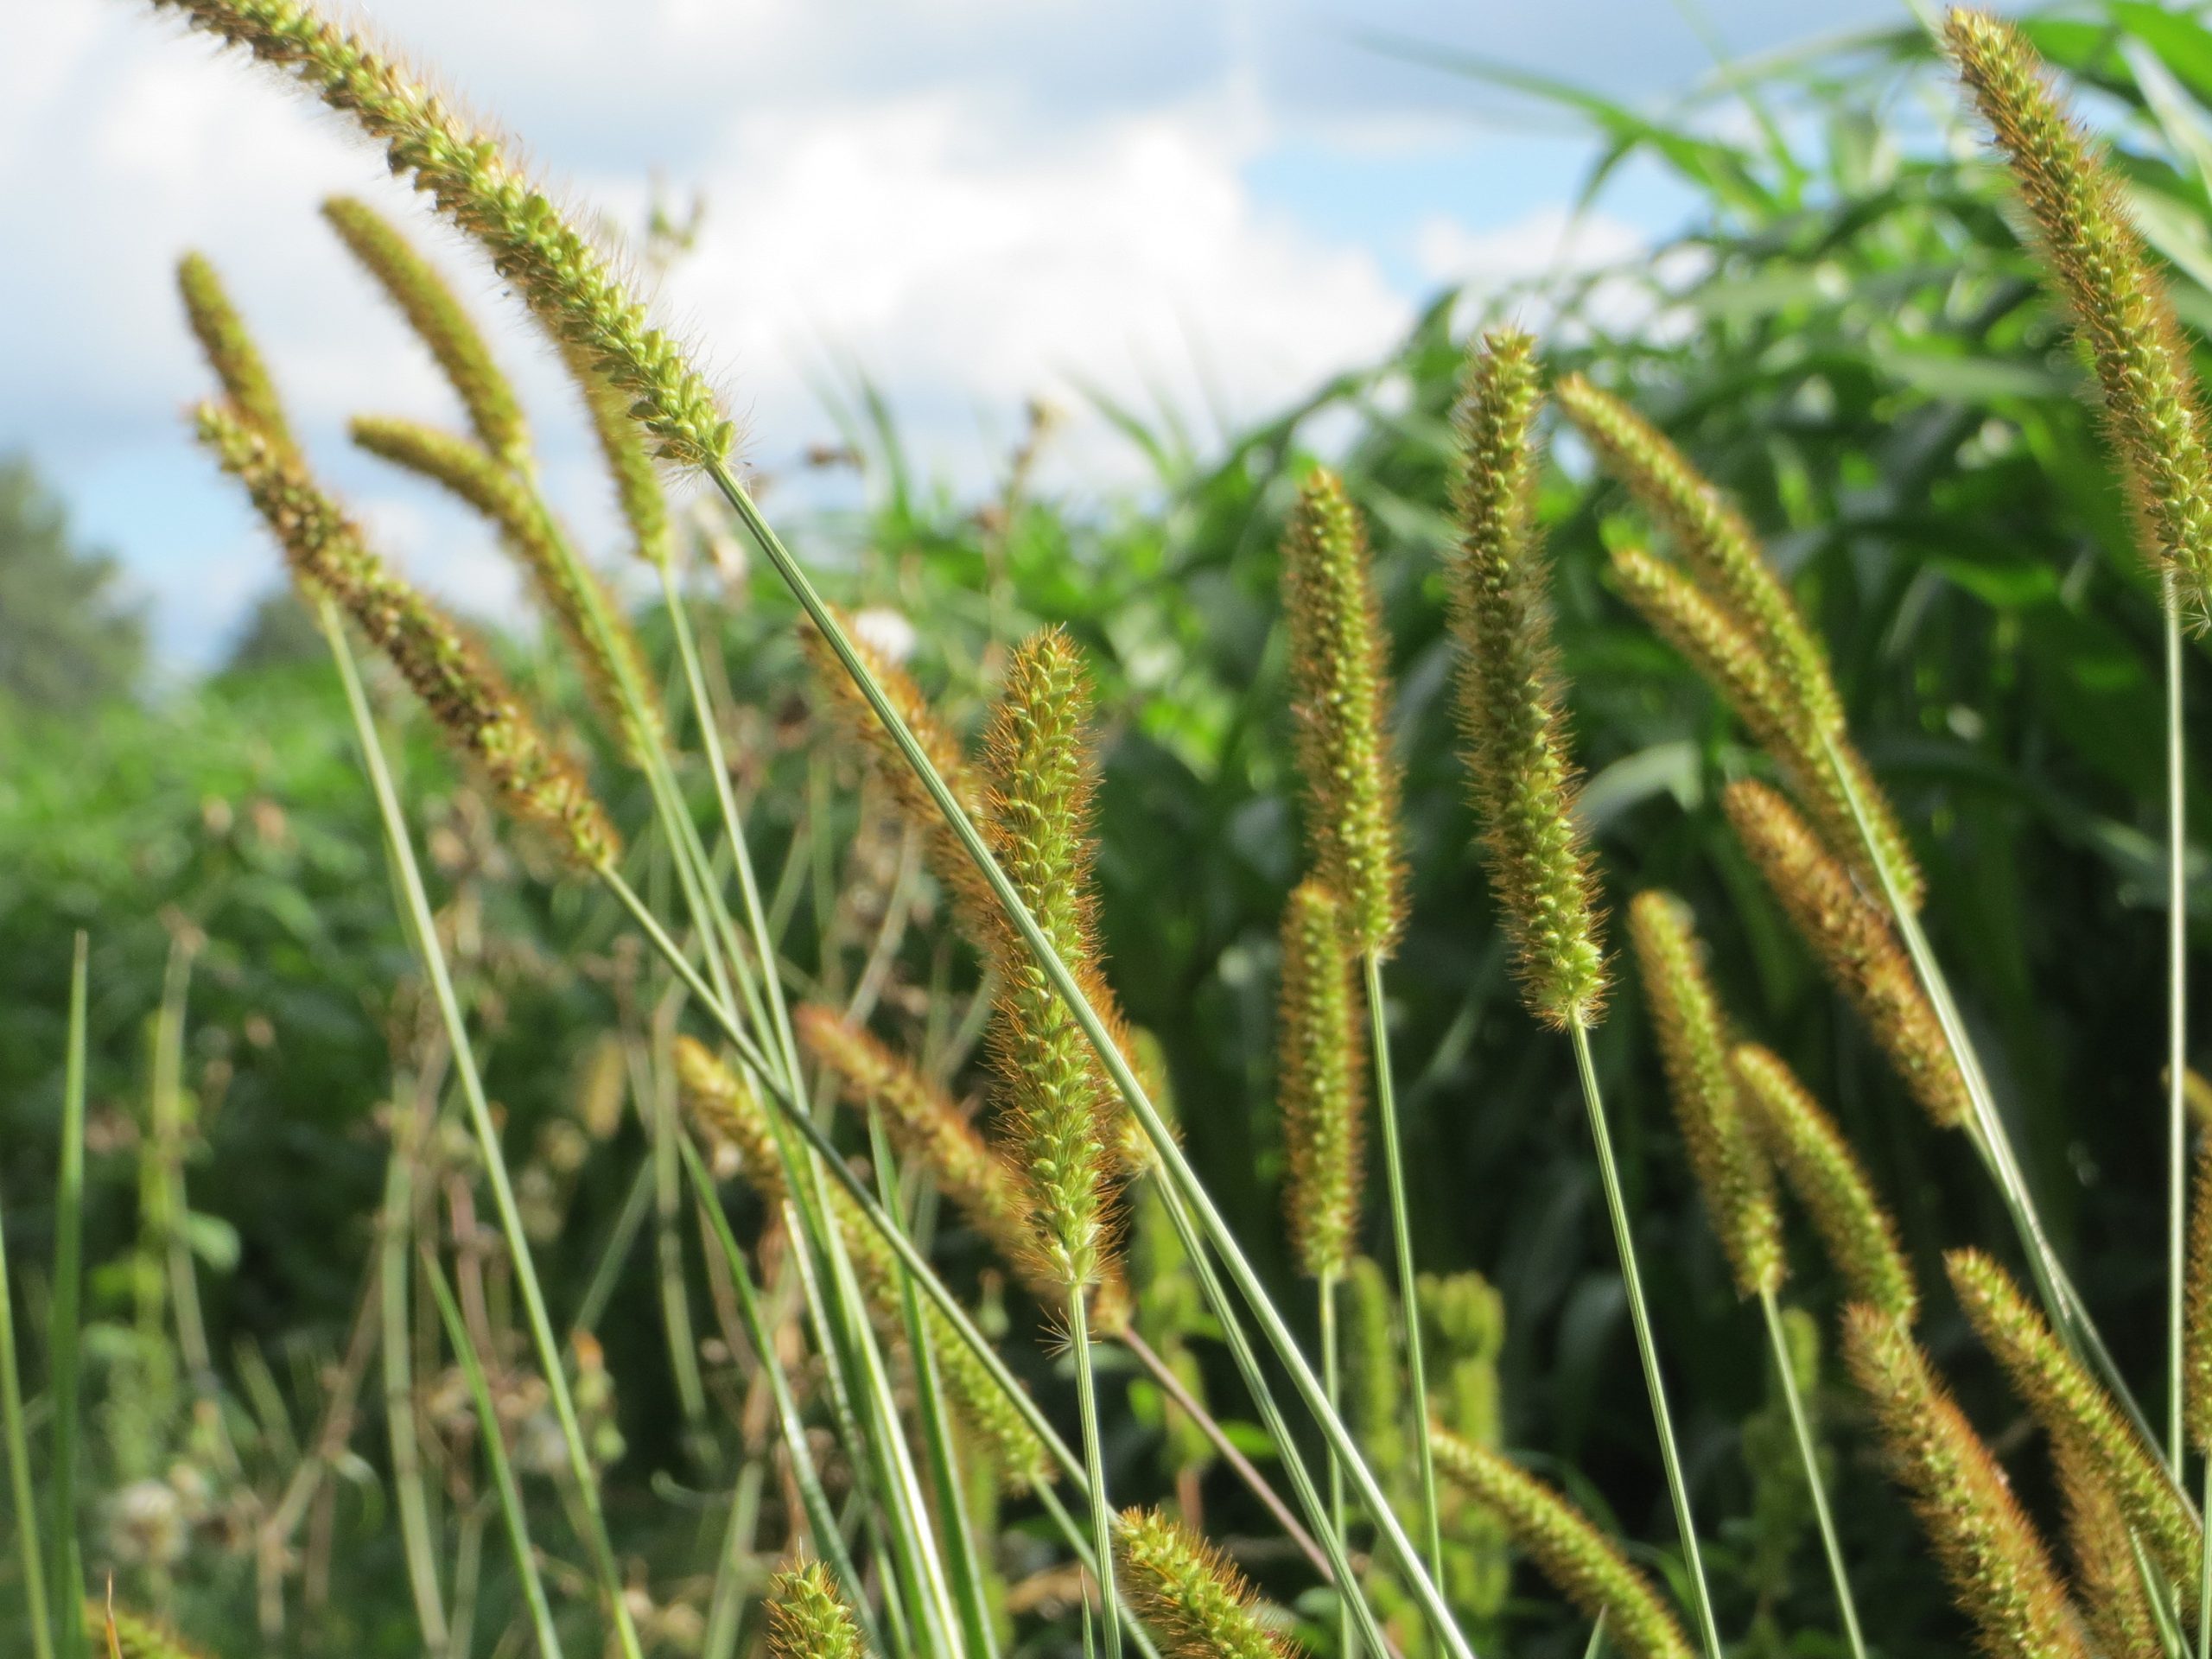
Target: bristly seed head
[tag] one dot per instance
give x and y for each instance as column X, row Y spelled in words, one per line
column 2107, row 1582
column 1517, row 750
column 1195, row 1602
column 2153, row 408
column 1340, row 683
column 1693, row 1045
column 2196, row 1349
column 230, row 352
column 808, row 1619
column 1320, row 1082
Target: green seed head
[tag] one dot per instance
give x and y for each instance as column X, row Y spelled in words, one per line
column 2108, row 1583
column 1999, row 1570
column 1320, row 1082
column 629, row 457
column 1516, row 749
column 1693, row 1045
column 1340, row 681
column 230, row 352
column 133, row 1637
column 2196, row 1351
column 807, row 1618
column 1821, row 1169
column 1197, row 1604
column 1374, row 1373
column 2152, row 406
column 413, row 285
column 1580, row 1562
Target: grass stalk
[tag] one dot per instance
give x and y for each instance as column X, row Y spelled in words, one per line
column 19, row 1469
column 1847, row 1606
column 417, row 1545
column 1646, row 1347
column 416, row 904
column 1333, row 1383
column 2176, row 1021
column 66, row 1592
column 1180, row 1180
column 1094, row 1459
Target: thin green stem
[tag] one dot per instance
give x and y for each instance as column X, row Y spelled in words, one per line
column 1810, row 1456
column 1647, row 1348
column 1393, row 1164
column 416, row 904
column 19, row 1469
column 1094, row 1459
column 396, row 1343
column 1332, row 1381
column 2176, row 1021
column 64, row 1342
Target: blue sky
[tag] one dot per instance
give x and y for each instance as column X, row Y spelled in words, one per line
column 977, row 201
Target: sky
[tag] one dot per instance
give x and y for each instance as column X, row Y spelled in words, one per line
column 1204, row 205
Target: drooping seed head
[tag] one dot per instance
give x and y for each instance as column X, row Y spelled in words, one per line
column 808, row 1619
column 1341, row 690
column 2000, row 1572
column 2153, row 408
column 1853, row 942
column 479, row 716
column 230, row 352
column 2196, row 1347
column 1818, row 1163
column 1193, row 1600
column 1694, row 1046
column 2070, row 1404
column 2107, row 1582
column 467, row 174
column 1320, row 1082
column 1516, row 747
column 1580, row 1562
column 414, row 286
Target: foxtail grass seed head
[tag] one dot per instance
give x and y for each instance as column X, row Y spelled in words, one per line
column 1579, row 1561
column 1186, row 1592
column 629, row 461
column 468, row 174
column 1340, row 683
column 135, row 1638
column 1516, row 747
column 2196, row 1347
column 230, row 352
column 1693, row 1045
column 1821, row 1168
column 2000, row 1572
column 1853, row 943
column 2153, row 408
column 604, row 647
column 729, row 1112
column 2070, row 1404
column 465, row 695
column 1320, row 1082
column 1060, row 1124
column 2107, row 1582
column 808, row 1619
column 413, row 285
column 1714, row 542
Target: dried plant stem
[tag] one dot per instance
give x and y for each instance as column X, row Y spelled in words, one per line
column 1646, row 1347
column 1846, row 1606
column 416, row 904
column 19, row 1470
column 1393, row 1164
column 1180, row 1181
column 2177, row 1024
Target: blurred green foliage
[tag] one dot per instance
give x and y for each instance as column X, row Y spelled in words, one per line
column 68, row 638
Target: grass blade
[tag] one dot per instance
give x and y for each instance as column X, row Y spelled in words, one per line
column 65, row 1334
column 19, row 1469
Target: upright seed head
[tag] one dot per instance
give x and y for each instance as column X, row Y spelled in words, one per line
column 439, row 320
column 2154, row 409
column 1829, row 1179
column 1581, row 1563
column 1999, row 1570
column 2196, row 1349
column 1320, row 1082
column 1041, row 774
column 1374, row 1374
column 2071, row 1405
column 467, row 172
column 1341, row 686
column 1693, row 1045
column 605, row 647
column 479, row 715
column 808, row 1619
column 1853, row 942
column 1508, row 696
column 1195, row 1602
column 230, row 352
column 2107, row 1581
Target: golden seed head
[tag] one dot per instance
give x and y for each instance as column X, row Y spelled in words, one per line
column 1321, row 1084
column 1580, row 1562
column 1523, row 780
column 468, row 173
column 1853, row 942
column 1341, row 689
column 1818, row 1163
column 1693, row 1045
column 808, row 1619
column 1195, row 1602
column 2196, row 1349
column 414, row 286
column 230, row 352
column 464, row 693
column 2108, row 1583
column 2071, row 1405
column 2154, row 409
column 604, row 646
column 1999, row 1570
